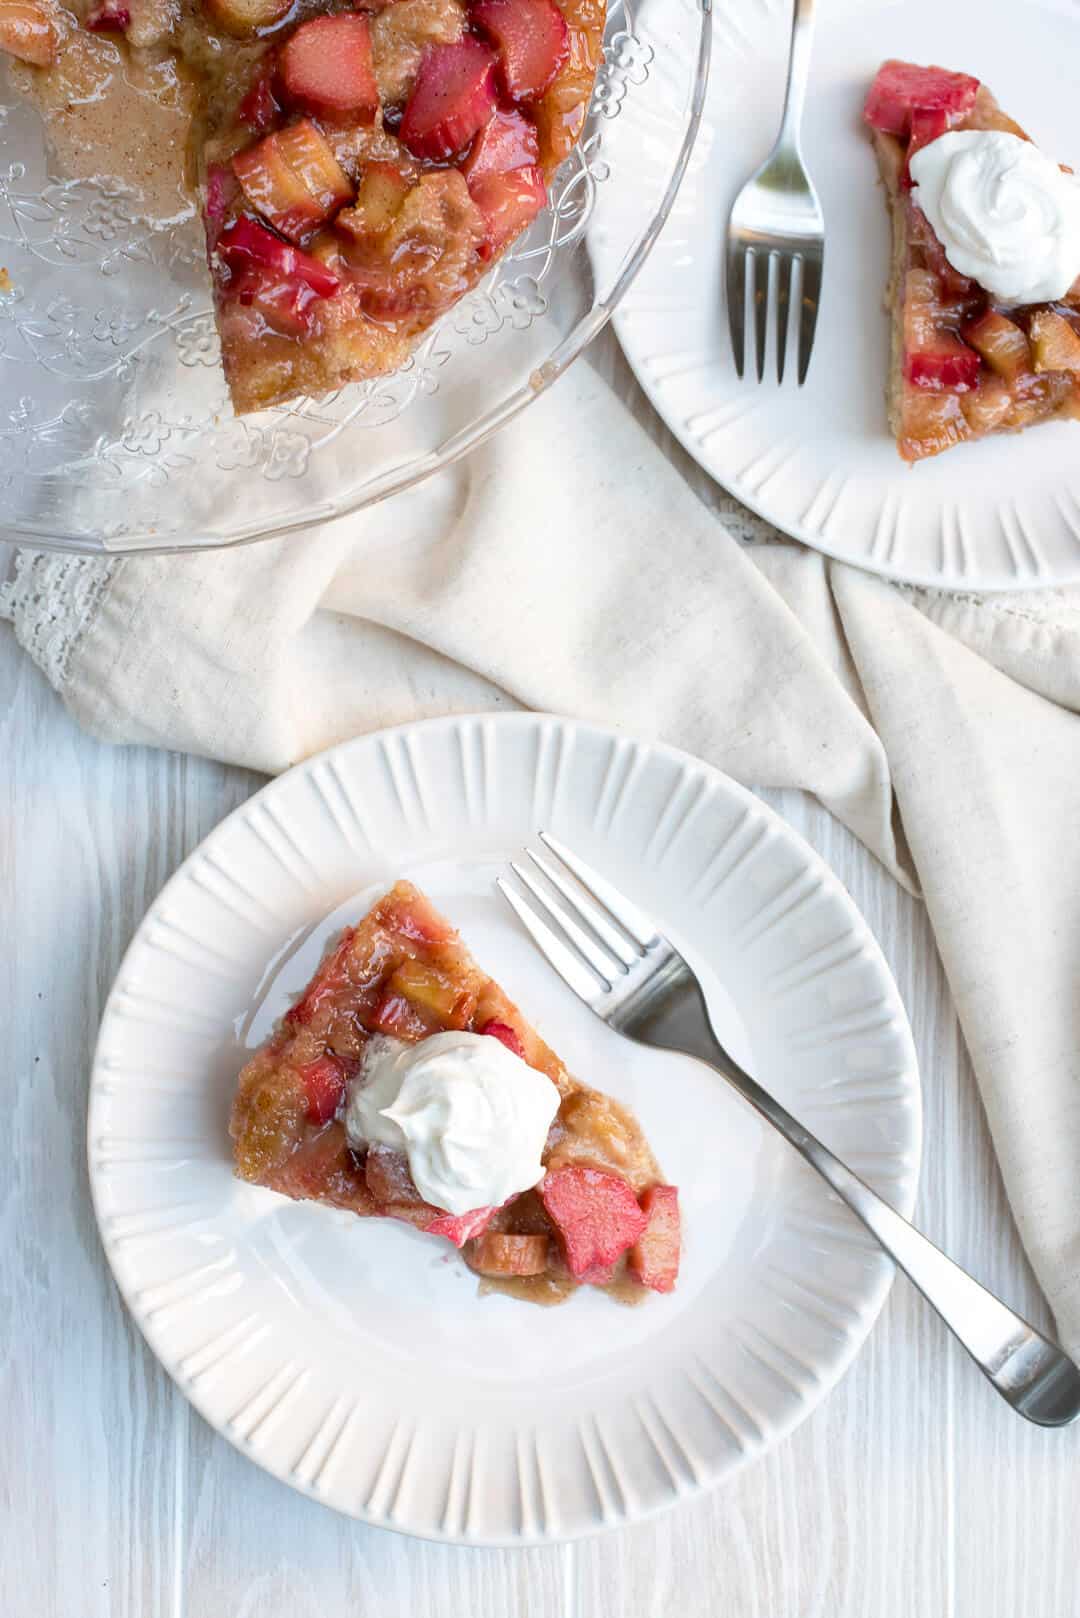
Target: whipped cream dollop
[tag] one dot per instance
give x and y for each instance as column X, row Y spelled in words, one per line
column 1004, row 212
column 471, row 1117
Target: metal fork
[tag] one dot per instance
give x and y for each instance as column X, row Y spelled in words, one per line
column 777, row 221
column 618, row 961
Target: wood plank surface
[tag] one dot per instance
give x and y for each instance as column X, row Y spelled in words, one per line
column 911, row 1493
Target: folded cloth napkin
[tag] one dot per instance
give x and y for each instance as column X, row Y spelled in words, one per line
column 567, row 566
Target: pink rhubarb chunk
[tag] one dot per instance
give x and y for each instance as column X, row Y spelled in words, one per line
column 503, row 1032
column 509, row 203
column 654, row 1257
column 293, row 179
column 259, row 109
column 532, row 39
column 949, row 365
column 508, row 141
column 397, row 1016
column 110, row 17
column 452, row 99
column 927, row 124
column 222, row 190
column 901, row 87
column 324, row 1085
column 596, row 1215
column 327, row 68
column 460, row 1228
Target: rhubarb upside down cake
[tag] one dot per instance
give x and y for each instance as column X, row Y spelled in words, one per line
column 359, row 168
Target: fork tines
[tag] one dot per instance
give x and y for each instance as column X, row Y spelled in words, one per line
column 764, row 275
column 590, row 944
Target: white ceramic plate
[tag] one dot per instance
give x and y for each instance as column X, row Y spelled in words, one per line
column 354, row 1359
column 819, row 462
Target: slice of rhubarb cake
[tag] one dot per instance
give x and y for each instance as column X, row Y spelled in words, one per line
column 404, row 1084
column 985, row 286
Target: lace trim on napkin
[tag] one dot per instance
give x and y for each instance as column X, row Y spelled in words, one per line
column 52, row 601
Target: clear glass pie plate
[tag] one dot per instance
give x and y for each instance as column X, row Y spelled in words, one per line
column 116, row 432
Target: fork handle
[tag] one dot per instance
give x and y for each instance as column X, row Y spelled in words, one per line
column 802, row 35
column 1029, row 1370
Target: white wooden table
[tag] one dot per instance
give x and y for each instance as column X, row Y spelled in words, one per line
column 912, row 1493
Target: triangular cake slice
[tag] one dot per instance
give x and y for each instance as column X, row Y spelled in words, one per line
column 964, row 364
column 601, row 1214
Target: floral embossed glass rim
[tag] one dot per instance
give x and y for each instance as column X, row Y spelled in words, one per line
column 116, row 433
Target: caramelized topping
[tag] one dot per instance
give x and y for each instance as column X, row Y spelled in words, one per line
column 967, row 367
column 585, row 1223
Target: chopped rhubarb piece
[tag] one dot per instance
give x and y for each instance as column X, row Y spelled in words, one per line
column 287, row 307
column 222, row 190
column 503, row 1032
column 324, row 1084
column 243, row 246
column 927, row 124
column 327, row 68
column 509, row 203
column 240, row 17
column 654, row 1257
column 399, row 1017
column 508, row 141
column 27, row 32
column 310, row 155
column 432, row 994
column 460, row 1228
column 110, row 17
column 452, row 99
column 988, row 406
column 381, row 191
column 596, row 1215
column 900, row 87
column 949, row 364
column 927, row 311
column 259, row 109
column 293, row 179
column 1055, row 342
column 930, row 423
column 1001, row 342
column 274, row 188
column 389, row 1178
column 501, row 1255
column 532, row 39
column 246, row 241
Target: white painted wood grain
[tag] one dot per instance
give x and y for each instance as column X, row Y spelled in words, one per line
column 912, row 1492
column 118, row 1500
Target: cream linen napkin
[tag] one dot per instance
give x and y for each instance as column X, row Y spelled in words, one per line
column 567, row 567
